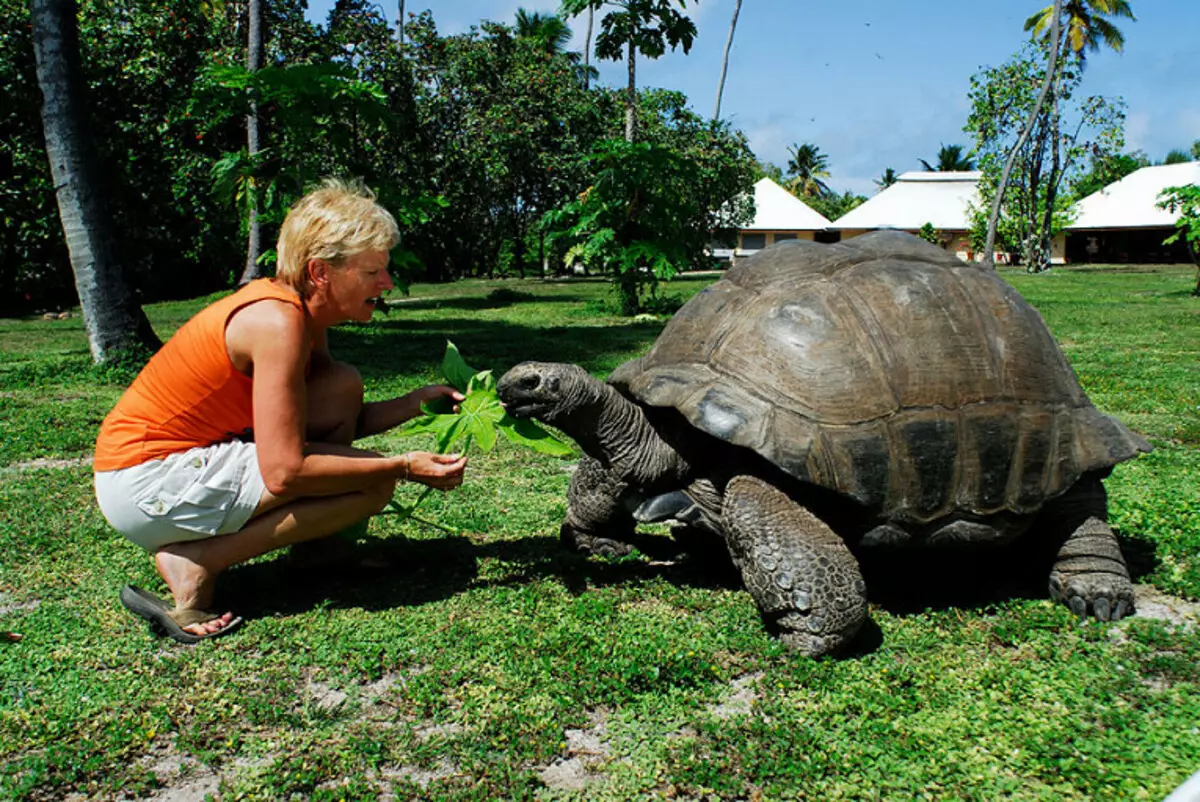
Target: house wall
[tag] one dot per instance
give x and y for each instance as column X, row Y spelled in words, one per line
column 769, row 238
column 1124, row 246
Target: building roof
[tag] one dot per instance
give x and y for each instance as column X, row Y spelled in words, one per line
column 776, row 209
column 1132, row 201
column 917, row 198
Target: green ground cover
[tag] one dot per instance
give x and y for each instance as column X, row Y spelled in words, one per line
column 490, row 664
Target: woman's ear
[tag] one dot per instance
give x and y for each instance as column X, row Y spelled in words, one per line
column 318, row 272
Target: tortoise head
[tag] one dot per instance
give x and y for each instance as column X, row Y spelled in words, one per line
column 549, row 391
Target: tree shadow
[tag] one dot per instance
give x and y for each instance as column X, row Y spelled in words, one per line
column 391, row 347
column 417, row 572
column 496, row 299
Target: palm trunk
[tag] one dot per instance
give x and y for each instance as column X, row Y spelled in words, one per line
column 253, row 269
column 1046, row 252
column 1051, row 67
column 400, row 27
column 112, row 317
column 587, row 49
column 631, row 95
column 725, row 60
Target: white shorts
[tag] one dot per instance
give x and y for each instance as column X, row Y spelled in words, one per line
column 192, row 495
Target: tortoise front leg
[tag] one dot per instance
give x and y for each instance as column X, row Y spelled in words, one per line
column 800, row 573
column 599, row 511
column 1089, row 573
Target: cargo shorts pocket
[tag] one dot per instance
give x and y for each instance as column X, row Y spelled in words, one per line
column 194, row 491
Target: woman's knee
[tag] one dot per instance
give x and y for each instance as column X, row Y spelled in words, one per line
column 336, row 380
column 379, row 494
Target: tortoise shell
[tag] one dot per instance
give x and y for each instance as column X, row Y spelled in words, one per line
column 887, row 370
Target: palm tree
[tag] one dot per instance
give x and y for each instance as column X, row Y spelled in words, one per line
column 737, row 7
column 806, row 166
column 950, row 159
column 549, row 31
column 587, row 49
column 113, row 319
column 888, row 178
column 552, row 35
column 254, row 46
column 400, row 26
column 1086, row 25
column 989, row 248
column 1082, row 30
column 648, row 27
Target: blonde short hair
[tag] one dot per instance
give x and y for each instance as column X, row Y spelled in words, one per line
column 336, row 220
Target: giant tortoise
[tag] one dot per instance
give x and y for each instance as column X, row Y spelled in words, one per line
column 821, row 400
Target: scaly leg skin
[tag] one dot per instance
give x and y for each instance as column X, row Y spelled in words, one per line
column 598, row 517
column 1089, row 574
column 803, row 577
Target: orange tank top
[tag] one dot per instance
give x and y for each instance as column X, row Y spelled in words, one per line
column 189, row 394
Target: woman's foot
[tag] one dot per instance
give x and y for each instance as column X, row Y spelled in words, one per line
column 191, row 583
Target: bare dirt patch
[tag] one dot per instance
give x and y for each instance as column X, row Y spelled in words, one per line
column 46, row 463
column 1153, row 603
column 741, row 701
column 587, row 749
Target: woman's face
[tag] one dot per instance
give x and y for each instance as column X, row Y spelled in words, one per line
column 357, row 284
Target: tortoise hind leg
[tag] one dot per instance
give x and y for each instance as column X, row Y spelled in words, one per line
column 1089, row 573
column 801, row 574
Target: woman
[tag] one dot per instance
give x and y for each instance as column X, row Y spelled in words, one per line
column 235, row 438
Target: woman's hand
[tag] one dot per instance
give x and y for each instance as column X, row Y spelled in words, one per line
column 440, row 471
column 432, row 392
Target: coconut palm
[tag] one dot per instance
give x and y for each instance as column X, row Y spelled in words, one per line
column 552, row 35
column 1084, row 24
column 737, row 8
column 888, row 178
column 806, row 166
column 254, row 49
column 950, row 159
column 112, row 317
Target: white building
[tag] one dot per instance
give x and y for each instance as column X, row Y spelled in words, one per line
column 1122, row 222
column 778, row 215
column 941, row 199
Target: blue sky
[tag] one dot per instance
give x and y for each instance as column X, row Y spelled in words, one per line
column 882, row 83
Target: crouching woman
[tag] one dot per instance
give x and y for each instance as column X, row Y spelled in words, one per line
column 235, row 439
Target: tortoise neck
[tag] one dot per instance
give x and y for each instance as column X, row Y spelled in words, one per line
column 616, row 431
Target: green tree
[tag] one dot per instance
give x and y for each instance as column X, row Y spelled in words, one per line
column 549, row 33
column 1105, row 170
column 114, row 321
column 886, row 179
column 648, row 27
column 1185, row 201
column 1196, row 150
column 1177, row 156
column 950, row 158
column 806, row 166
column 833, row 205
column 1043, row 156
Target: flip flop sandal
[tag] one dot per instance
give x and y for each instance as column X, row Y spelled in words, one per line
column 166, row 620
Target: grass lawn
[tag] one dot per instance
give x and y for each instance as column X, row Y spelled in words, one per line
column 491, row 664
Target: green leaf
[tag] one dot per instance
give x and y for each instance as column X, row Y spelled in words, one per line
column 529, row 434
column 455, row 369
column 481, row 411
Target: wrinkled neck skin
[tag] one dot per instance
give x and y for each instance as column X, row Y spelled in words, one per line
column 614, row 430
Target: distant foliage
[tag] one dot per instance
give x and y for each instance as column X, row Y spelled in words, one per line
column 833, row 206
column 930, row 234
column 1107, row 170
column 468, row 139
column 1185, row 201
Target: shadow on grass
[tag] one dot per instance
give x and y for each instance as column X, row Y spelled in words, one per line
column 393, row 347
column 497, row 299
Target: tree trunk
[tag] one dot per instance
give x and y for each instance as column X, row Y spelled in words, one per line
column 737, row 7
column 254, row 46
column 1046, row 251
column 112, row 317
column 989, row 252
column 400, row 27
column 631, row 95
column 587, row 49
